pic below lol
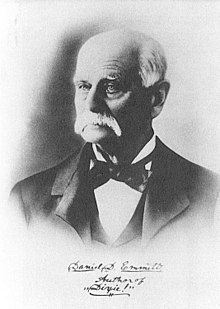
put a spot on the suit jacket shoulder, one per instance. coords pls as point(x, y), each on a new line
point(173, 177)
point(176, 176)
point(33, 194)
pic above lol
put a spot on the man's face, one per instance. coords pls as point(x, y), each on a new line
point(110, 100)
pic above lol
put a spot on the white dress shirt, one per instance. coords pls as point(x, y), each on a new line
point(115, 200)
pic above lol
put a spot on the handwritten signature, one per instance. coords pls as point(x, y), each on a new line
point(124, 267)
point(128, 267)
point(78, 267)
point(111, 285)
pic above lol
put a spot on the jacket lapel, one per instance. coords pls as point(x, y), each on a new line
point(165, 200)
point(71, 185)
point(155, 217)
point(167, 193)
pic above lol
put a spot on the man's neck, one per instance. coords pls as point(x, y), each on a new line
point(124, 152)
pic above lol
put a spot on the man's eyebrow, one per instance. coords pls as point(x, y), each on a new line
point(78, 80)
point(109, 79)
point(114, 76)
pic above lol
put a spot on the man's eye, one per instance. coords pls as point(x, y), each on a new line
point(112, 89)
point(83, 87)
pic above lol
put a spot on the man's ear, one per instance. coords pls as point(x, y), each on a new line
point(158, 97)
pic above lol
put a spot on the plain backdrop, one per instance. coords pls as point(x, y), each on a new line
point(39, 43)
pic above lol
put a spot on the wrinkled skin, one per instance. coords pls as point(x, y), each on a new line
point(107, 82)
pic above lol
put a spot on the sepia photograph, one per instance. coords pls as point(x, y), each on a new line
point(110, 151)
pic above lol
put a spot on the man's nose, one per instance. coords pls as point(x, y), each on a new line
point(94, 101)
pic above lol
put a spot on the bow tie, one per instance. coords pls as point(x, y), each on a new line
point(134, 175)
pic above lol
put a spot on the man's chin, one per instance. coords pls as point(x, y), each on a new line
point(96, 134)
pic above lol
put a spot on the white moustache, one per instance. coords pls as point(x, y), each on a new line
point(102, 120)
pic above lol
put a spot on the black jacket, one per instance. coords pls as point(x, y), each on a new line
point(181, 197)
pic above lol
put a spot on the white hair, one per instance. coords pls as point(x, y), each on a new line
point(152, 60)
point(148, 52)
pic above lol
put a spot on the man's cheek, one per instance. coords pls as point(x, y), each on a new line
point(124, 122)
point(125, 113)
point(78, 108)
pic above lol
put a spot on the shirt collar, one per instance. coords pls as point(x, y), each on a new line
point(145, 151)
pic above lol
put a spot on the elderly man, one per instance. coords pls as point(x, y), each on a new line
point(124, 187)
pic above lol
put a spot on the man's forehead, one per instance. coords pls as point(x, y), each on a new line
point(112, 61)
point(115, 42)
point(104, 69)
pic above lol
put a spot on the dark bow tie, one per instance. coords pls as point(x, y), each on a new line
point(134, 175)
